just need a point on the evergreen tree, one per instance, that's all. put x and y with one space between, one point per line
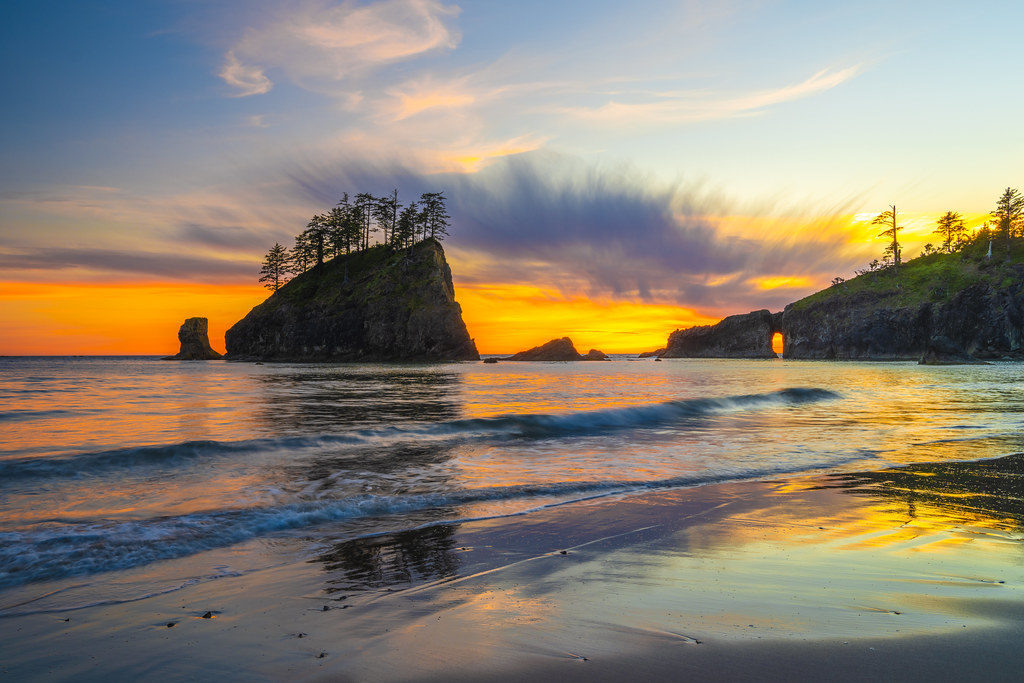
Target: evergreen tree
1009 214
385 214
405 230
275 268
302 255
317 234
434 216
363 209
952 231
888 219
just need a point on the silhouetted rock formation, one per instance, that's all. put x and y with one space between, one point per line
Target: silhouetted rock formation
375 305
975 304
649 354
981 320
738 336
195 341
557 349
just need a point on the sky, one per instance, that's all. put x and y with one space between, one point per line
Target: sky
614 171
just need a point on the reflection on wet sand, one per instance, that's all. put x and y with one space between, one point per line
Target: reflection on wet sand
391 562
987 493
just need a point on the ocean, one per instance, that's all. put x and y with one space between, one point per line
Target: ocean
122 478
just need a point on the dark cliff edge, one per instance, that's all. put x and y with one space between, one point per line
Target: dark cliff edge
972 306
738 336
375 305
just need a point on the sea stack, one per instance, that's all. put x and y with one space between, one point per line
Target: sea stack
375 305
557 349
195 341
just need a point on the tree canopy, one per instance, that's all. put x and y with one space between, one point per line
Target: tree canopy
355 224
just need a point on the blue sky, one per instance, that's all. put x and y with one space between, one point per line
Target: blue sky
745 141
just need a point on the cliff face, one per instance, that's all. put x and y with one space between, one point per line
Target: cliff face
738 336
376 305
984 319
969 306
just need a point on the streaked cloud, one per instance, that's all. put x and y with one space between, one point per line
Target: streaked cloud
319 44
247 80
677 107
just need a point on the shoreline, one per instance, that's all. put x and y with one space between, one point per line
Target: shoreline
900 574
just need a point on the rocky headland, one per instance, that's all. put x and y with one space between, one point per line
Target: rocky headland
738 336
948 308
379 304
557 349
195 341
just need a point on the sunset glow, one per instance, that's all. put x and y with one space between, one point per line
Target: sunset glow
607 178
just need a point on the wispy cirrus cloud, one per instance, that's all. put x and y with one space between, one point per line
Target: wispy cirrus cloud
247 80
676 107
321 44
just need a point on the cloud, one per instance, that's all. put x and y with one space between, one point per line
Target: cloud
249 80
106 262
677 107
610 231
321 44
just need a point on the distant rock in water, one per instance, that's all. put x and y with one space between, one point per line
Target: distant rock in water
942 351
738 336
195 341
649 354
558 349
374 305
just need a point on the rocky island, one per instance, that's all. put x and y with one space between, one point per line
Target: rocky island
195 341
378 304
945 308
557 349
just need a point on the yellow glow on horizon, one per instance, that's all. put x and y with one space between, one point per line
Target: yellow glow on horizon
778 281
510 318
41 319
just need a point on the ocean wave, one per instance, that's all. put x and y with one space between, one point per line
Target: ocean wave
58 549
527 426
631 417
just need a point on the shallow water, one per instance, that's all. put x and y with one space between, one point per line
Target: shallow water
110 464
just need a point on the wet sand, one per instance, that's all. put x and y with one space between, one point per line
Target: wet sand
911 574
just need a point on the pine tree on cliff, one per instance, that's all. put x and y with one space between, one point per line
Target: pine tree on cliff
363 209
952 231
405 231
434 216
888 219
274 272
317 234
301 256
1009 215
385 214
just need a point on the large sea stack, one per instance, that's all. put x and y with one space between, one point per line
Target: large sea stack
738 336
379 304
944 308
195 341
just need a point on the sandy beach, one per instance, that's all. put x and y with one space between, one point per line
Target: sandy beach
905 574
